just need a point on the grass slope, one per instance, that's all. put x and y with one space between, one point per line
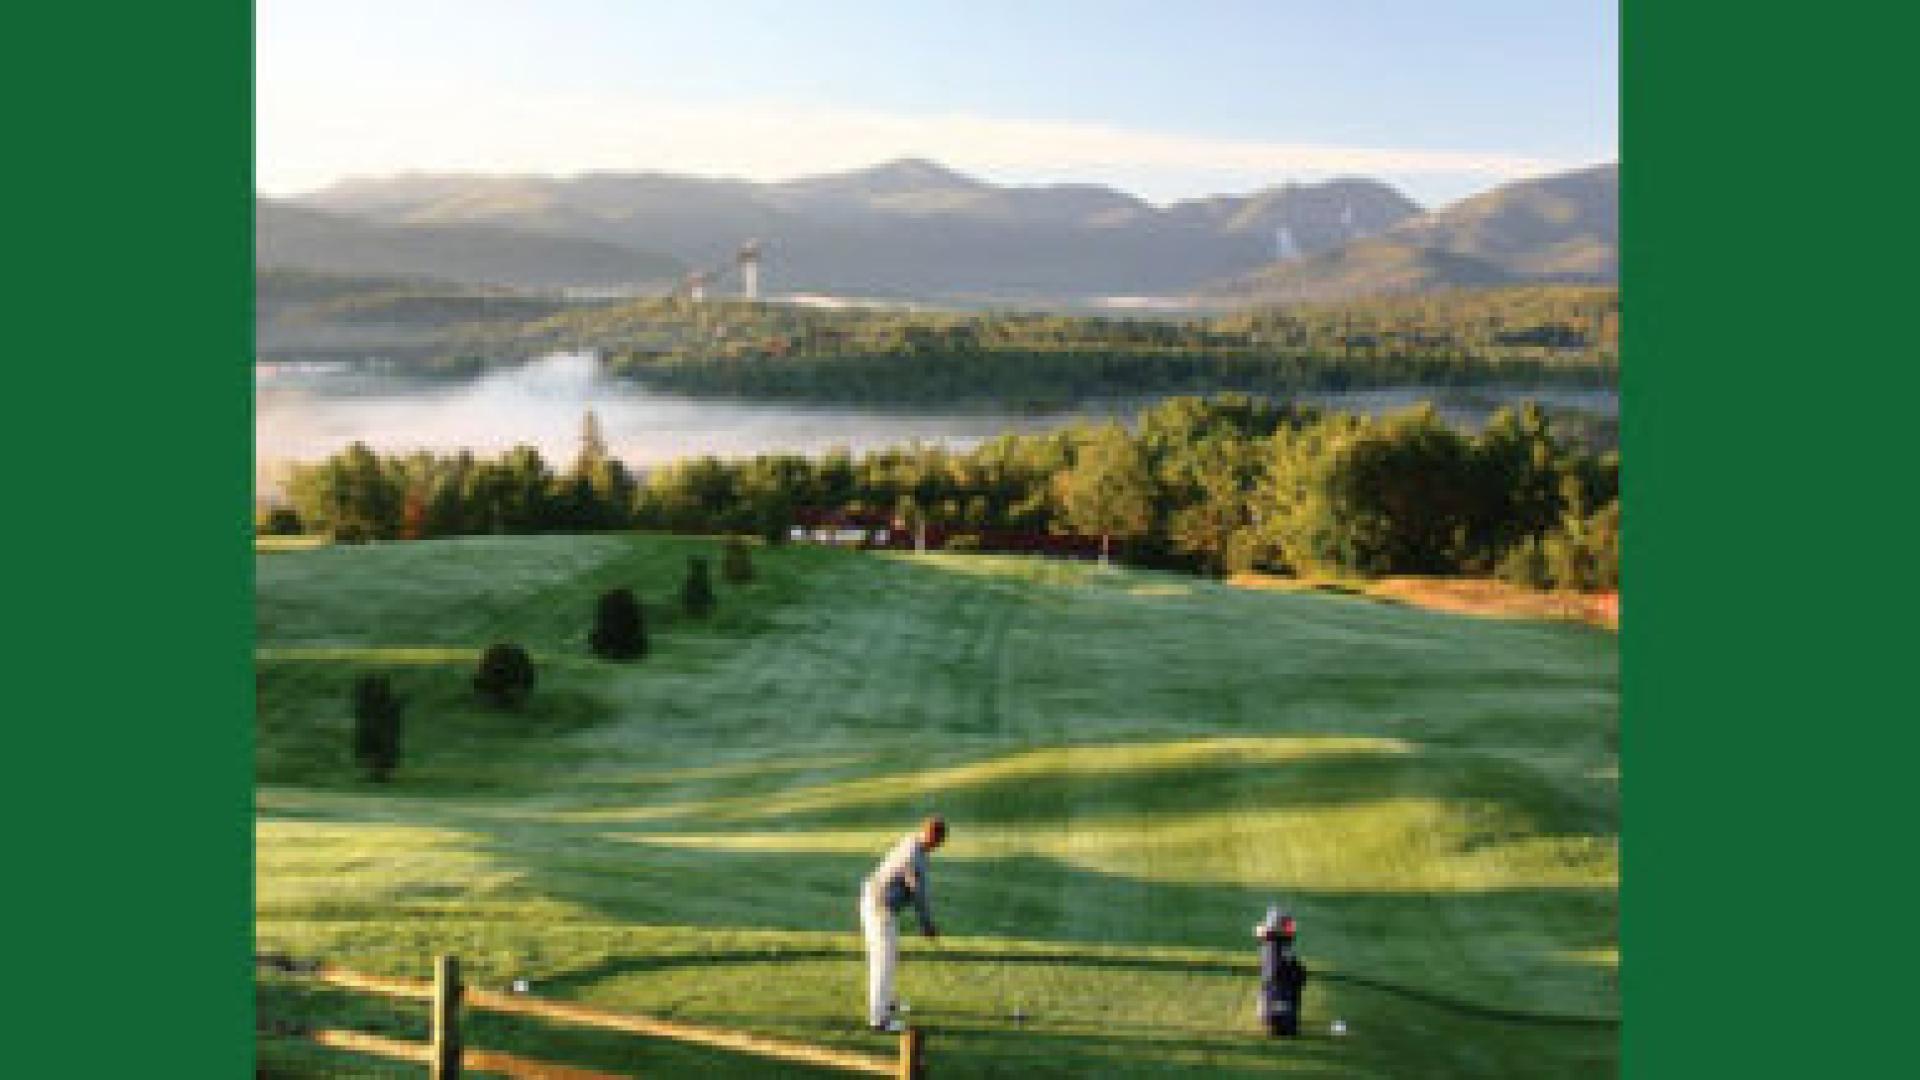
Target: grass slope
1134 763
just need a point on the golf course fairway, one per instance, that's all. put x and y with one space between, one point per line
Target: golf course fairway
1134 765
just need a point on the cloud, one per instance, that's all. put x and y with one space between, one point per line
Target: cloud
307 139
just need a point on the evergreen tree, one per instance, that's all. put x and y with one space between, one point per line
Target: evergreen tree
619 626
505 676
593 444
696 593
376 726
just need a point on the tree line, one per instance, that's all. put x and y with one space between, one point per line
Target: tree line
1537 336
1213 485
1519 336
1576 325
1042 381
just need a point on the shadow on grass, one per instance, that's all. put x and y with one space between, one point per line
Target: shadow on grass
1479 967
627 877
582 978
1472 947
1033 787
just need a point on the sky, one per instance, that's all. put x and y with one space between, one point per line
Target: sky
1168 100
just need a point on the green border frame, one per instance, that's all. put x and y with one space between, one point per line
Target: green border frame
129 802
1767 735
1767 739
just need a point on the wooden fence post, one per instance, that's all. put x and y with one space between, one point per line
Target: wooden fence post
913 1049
446 1018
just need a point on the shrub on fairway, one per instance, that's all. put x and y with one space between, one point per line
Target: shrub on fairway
376 726
696 593
619 627
505 676
736 565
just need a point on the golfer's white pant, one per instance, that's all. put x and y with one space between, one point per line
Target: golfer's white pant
883 955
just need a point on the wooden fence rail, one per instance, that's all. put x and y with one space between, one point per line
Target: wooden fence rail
490 1061
444 1055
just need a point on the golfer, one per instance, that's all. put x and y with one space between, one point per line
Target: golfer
901 877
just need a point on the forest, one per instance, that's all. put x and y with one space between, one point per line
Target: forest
1210 485
1537 336
1533 337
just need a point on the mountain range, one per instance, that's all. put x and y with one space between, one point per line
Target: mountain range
916 229
289 236
1563 228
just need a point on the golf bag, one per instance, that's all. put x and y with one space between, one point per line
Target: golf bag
1282 975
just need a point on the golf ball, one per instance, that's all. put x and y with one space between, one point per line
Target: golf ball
519 986
1339 1027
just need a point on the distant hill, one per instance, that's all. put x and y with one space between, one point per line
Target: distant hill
917 229
289 236
1316 217
317 315
1557 229
904 228
1564 227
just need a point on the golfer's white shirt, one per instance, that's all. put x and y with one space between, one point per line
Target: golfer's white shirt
902 877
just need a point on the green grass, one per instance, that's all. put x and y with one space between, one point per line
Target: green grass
1134 765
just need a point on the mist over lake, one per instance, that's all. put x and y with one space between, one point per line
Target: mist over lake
306 412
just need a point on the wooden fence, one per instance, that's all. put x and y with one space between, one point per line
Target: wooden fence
445 1054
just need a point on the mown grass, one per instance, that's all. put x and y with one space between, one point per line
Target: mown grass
1134 764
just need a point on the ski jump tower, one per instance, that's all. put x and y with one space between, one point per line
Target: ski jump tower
749 262
700 284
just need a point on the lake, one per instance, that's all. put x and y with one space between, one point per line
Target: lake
306 412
